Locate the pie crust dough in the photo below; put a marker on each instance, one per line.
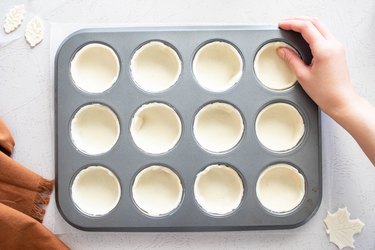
(95, 68)
(279, 126)
(272, 70)
(218, 127)
(217, 66)
(96, 191)
(218, 189)
(155, 67)
(157, 190)
(155, 128)
(280, 188)
(95, 129)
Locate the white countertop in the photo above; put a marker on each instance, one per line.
(26, 103)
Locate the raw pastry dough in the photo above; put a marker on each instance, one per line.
(218, 127)
(34, 31)
(14, 18)
(280, 188)
(155, 67)
(217, 66)
(279, 126)
(157, 190)
(155, 128)
(341, 228)
(96, 191)
(95, 129)
(95, 68)
(271, 70)
(218, 189)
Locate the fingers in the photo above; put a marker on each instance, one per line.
(307, 29)
(299, 68)
(315, 21)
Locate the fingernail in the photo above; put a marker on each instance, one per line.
(281, 52)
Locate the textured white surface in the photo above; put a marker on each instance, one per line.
(26, 105)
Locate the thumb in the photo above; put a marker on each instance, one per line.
(299, 68)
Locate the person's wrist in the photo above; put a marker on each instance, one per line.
(345, 107)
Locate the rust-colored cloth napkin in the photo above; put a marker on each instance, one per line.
(23, 196)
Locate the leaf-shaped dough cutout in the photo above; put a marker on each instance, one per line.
(34, 31)
(14, 18)
(341, 228)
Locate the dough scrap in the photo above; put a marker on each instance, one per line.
(34, 31)
(341, 228)
(14, 18)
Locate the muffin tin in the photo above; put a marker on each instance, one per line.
(183, 154)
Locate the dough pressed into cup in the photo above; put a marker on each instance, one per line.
(218, 189)
(95, 68)
(155, 128)
(218, 127)
(280, 188)
(155, 67)
(279, 127)
(157, 190)
(95, 191)
(217, 66)
(271, 69)
(95, 129)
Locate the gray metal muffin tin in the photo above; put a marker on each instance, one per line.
(187, 158)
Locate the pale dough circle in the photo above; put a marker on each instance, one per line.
(218, 189)
(280, 188)
(279, 127)
(95, 191)
(95, 68)
(155, 128)
(95, 129)
(217, 66)
(271, 69)
(218, 127)
(157, 190)
(155, 67)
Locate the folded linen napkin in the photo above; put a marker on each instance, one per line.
(23, 197)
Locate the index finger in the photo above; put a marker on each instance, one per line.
(308, 31)
(315, 21)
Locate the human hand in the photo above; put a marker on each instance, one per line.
(326, 80)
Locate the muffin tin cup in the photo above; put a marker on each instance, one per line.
(187, 158)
